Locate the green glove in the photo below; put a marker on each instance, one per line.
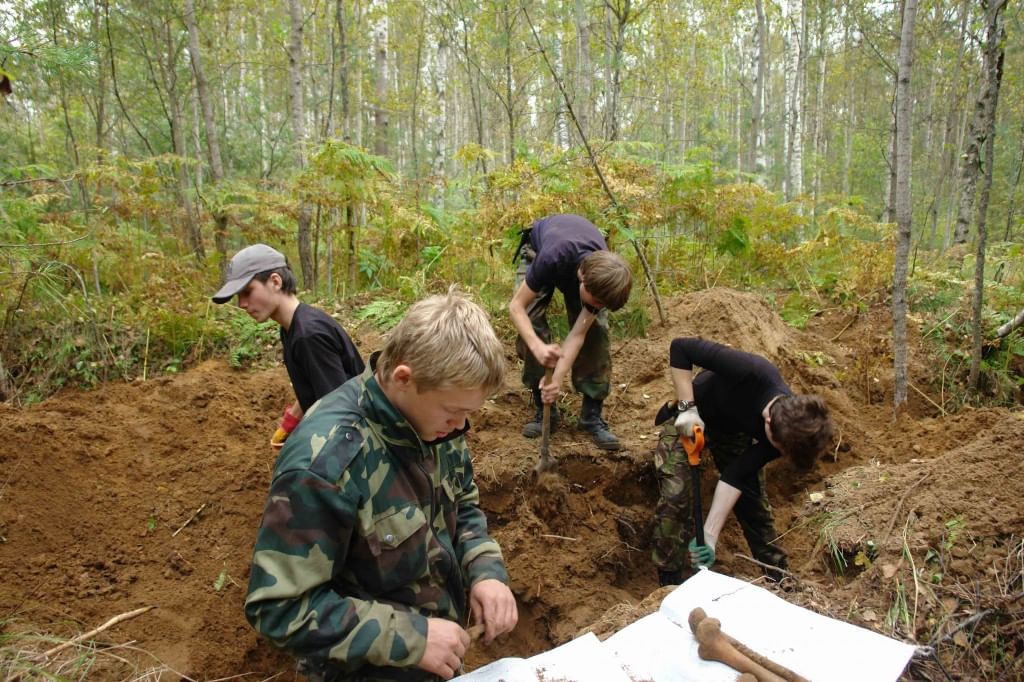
(701, 555)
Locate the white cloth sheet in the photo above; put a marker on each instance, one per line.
(661, 648)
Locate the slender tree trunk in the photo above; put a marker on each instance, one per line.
(343, 69)
(261, 96)
(296, 83)
(440, 121)
(849, 107)
(583, 65)
(1012, 207)
(948, 151)
(904, 105)
(794, 101)
(210, 127)
(994, 53)
(818, 127)
(561, 125)
(757, 108)
(101, 81)
(508, 20)
(381, 118)
(414, 122)
(164, 40)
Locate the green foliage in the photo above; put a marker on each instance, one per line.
(734, 240)
(248, 340)
(382, 313)
(630, 322)
(797, 309)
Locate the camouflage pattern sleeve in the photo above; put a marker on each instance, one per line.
(479, 555)
(300, 548)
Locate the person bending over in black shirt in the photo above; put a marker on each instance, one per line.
(749, 417)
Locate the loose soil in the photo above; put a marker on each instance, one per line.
(149, 494)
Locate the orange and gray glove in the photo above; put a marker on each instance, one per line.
(288, 423)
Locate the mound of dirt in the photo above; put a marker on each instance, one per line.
(149, 493)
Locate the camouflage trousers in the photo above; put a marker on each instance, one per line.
(592, 370)
(673, 517)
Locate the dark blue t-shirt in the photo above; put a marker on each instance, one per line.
(561, 242)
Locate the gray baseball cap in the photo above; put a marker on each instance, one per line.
(246, 264)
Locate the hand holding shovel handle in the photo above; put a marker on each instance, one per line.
(546, 461)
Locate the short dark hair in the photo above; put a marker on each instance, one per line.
(802, 426)
(287, 279)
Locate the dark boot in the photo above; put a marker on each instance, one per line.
(535, 426)
(591, 422)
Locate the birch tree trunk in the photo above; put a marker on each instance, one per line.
(850, 111)
(994, 53)
(261, 98)
(440, 120)
(757, 109)
(818, 126)
(381, 119)
(561, 125)
(904, 105)
(794, 100)
(297, 110)
(210, 127)
(584, 98)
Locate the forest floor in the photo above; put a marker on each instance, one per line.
(99, 492)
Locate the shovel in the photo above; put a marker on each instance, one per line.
(693, 447)
(546, 461)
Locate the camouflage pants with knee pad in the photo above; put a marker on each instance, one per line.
(673, 517)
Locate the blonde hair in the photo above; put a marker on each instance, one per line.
(607, 277)
(448, 342)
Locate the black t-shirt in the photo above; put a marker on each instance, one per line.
(561, 242)
(318, 353)
(731, 394)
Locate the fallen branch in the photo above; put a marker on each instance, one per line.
(768, 566)
(852, 320)
(92, 633)
(1005, 329)
(559, 537)
(189, 520)
(899, 504)
(922, 394)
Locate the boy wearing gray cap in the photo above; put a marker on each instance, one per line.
(318, 353)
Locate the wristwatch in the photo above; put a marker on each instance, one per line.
(684, 405)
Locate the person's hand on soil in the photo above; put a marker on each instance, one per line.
(701, 555)
(494, 607)
(687, 420)
(547, 354)
(446, 647)
(549, 389)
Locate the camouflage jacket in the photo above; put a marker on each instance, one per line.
(367, 532)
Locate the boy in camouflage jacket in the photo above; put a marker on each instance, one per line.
(372, 540)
